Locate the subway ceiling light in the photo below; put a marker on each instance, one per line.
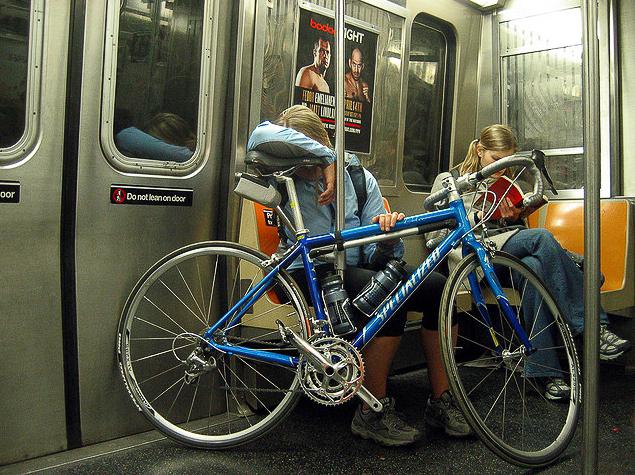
(487, 4)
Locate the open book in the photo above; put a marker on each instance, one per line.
(504, 186)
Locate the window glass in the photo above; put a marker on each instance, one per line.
(542, 89)
(424, 157)
(14, 54)
(279, 71)
(158, 78)
(544, 101)
(552, 30)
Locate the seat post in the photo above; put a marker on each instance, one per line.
(293, 204)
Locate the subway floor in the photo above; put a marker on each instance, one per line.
(317, 440)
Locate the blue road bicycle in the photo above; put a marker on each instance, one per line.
(216, 343)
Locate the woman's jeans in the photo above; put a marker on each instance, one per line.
(539, 250)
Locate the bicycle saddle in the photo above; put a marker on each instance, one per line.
(266, 163)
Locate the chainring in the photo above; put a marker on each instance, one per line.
(338, 388)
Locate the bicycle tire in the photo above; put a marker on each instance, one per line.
(238, 400)
(496, 415)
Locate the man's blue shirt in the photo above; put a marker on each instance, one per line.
(320, 219)
(134, 142)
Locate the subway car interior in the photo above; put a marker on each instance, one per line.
(126, 125)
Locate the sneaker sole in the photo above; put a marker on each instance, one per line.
(450, 432)
(381, 441)
(605, 357)
(556, 398)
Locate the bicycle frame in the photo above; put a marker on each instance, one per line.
(461, 234)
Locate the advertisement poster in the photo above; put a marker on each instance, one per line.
(315, 85)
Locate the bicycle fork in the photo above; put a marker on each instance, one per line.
(502, 300)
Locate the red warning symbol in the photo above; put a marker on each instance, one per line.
(119, 195)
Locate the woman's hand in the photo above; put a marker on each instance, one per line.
(509, 212)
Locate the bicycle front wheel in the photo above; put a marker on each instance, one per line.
(502, 393)
(202, 397)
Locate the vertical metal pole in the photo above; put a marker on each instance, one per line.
(340, 262)
(591, 233)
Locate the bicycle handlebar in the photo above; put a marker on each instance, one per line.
(470, 180)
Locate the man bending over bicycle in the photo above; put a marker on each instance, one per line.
(300, 128)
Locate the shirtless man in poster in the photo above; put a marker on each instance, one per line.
(312, 76)
(354, 86)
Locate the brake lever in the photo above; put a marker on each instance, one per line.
(538, 158)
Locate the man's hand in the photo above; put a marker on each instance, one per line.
(328, 195)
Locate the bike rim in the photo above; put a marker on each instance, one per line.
(501, 394)
(236, 399)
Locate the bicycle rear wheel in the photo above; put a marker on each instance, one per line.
(499, 392)
(199, 397)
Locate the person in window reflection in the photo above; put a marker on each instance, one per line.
(166, 137)
(537, 248)
(312, 75)
(301, 128)
(354, 86)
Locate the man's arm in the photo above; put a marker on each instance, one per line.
(304, 79)
(328, 195)
(287, 143)
(380, 253)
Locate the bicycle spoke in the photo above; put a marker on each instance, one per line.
(501, 407)
(181, 379)
(232, 393)
(485, 378)
(247, 387)
(189, 414)
(139, 319)
(179, 299)
(211, 292)
(257, 317)
(193, 392)
(502, 390)
(190, 291)
(160, 374)
(176, 397)
(154, 355)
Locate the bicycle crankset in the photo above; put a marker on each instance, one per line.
(332, 387)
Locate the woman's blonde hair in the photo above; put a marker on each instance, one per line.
(496, 137)
(305, 121)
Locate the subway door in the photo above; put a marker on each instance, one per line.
(150, 151)
(440, 102)
(33, 59)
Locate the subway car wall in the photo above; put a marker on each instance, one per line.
(122, 124)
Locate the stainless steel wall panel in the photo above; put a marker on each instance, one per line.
(626, 20)
(467, 25)
(116, 244)
(31, 375)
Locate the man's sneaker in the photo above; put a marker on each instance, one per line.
(385, 427)
(557, 389)
(443, 414)
(611, 345)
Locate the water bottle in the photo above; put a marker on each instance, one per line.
(380, 286)
(338, 306)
